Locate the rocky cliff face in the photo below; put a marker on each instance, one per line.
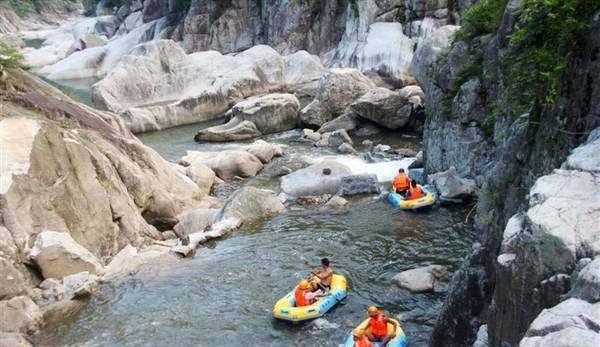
(79, 177)
(505, 155)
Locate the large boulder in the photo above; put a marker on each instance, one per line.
(422, 279)
(88, 177)
(338, 88)
(268, 114)
(99, 61)
(572, 323)
(347, 122)
(157, 85)
(234, 130)
(12, 283)
(587, 286)
(450, 185)
(263, 150)
(318, 179)
(250, 204)
(387, 108)
(586, 157)
(58, 255)
(359, 184)
(195, 220)
(227, 164)
(202, 175)
(20, 315)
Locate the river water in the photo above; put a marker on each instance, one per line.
(224, 295)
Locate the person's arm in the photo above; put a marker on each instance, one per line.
(394, 323)
(317, 274)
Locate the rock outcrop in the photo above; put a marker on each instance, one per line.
(506, 154)
(318, 179)
(571, 323)
(390, 109)
(81, 173)
(338, 88)
(58, 255)
(422, 279)
(179, 89)
(255, 116)
(451, 186)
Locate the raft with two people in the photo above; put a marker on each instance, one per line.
(408, 194)
(286, 309)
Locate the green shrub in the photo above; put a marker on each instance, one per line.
(10, 57)
(21, 7)
(542, 48)
(482, 18)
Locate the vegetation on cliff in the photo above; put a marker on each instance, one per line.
(10, 57)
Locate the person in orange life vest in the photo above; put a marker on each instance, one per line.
(360, 340)
(377, 330)
(323, 277)
(415, 191)
(303, 296)
(401, 182)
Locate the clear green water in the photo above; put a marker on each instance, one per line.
(79, 90)
(34, 43)
(224, 295)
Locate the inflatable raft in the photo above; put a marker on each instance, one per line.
(399, 339)
(398, 201)
(285, 308)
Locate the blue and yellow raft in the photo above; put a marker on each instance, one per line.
(285, 308)
(399, 202)
(399, 339)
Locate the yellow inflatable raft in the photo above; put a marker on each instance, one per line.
(286, 310)
(398, 201)
(399, 339)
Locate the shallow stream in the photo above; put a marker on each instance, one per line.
(224, 295)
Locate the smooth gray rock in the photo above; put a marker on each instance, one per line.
(421, 279)
(313, 181)
(417, 175)
(251, 204)
(572, 323)
(586, 157)
(359, 184)
(450, 185)
(195, 220)
(254, 117)
(227, 164)
(58, 255)
(338, 88)
(390, 109)
(346, 122)
(587, 286)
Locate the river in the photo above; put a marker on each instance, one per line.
(224, 295)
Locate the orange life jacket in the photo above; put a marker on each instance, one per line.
(362, 342)
(300, 298)
(401, 182)
(378, 325)
(415, 193)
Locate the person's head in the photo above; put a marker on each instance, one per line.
(304, 284)
(413, 183)
(400, 170)
(372, 311)
(358, 333)
(325, 262)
